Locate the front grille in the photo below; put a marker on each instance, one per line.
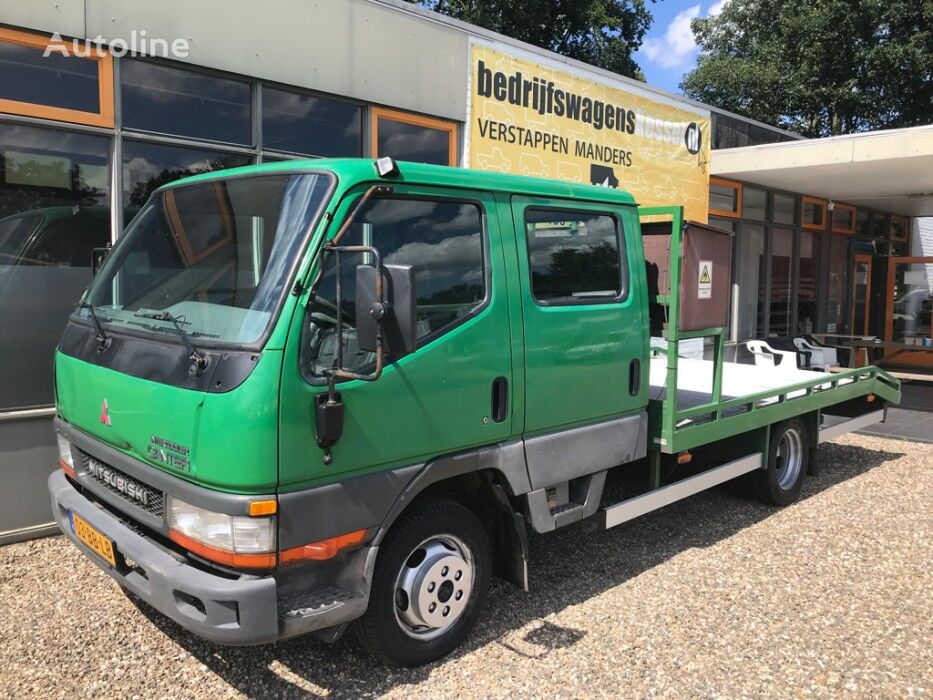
(155, 499)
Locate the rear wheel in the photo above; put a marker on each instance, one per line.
(430, 579)
(788, 457)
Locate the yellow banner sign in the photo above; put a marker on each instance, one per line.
(529, 118)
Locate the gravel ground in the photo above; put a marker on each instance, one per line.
(714, 596)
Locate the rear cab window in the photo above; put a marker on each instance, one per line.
(575, 257)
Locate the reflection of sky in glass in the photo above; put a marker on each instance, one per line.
(169, 100)
(412, 142)
(310, 125)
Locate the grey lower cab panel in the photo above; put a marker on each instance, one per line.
(653, 500)
(568, 454)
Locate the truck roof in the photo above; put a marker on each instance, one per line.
(353, 170)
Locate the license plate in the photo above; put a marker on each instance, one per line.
(93, 539)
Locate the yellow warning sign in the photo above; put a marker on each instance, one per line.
(705, 280)
(529, 115)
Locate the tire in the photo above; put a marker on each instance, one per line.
(416, 584)
(788, 458)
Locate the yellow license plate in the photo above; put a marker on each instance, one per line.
(93, 539)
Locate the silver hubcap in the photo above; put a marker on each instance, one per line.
(433, 588)
(789, 458)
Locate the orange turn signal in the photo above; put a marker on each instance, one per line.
(222, 556)
(684, 458)
(268, 507)
(322, 550)
(68, 470)
(870, 398)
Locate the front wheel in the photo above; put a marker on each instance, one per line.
(429, 583)
(788, 457)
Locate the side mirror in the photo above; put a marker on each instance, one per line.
(397, 316)
(98, 256)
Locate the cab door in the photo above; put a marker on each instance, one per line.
(440, 399)
(585, 332)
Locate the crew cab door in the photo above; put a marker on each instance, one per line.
(585, 333)
(440, 399)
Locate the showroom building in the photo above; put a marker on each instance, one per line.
(89, 128)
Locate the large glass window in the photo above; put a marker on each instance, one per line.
(749, 283)
(411, 137)
(784, 208)
(313, 126)
(148, 166)
(54, 210)
(574, 257)
(215, 255)
(837, 310)
(441, 239)
(808, 276)
(169, 100)
(67, 88)
(912, 306)
(754, 203)
(782, 257)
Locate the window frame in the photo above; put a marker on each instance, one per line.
(377, 113)
(104, 59)
(348, 204)
(847, 207)
(822, 203)
(737, 188)
(904, 220)
(625, 273)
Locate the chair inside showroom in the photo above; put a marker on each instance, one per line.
(772, 358)
(821, 356)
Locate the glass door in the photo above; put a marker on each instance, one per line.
(861, 293)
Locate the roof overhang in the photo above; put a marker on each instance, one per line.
(887, 170)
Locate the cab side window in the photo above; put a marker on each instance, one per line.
(442, 239)
(575, 257)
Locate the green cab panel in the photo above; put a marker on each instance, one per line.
(230, 437)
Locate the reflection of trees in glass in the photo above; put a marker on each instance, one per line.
(31, 184)
(457, 294)
(144, 188)
(594, 268)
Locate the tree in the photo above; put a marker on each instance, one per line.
(604, 33)
(819, 67)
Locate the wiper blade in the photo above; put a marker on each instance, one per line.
(198, 360)
(103, 340)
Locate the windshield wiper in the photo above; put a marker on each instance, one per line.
(198, 360)
(103, 340)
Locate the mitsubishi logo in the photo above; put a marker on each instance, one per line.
(104, 415)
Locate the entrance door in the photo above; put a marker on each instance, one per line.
(861, 293)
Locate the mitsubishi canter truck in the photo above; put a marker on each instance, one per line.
(307, 396)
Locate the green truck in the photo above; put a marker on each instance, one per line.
(309, 395)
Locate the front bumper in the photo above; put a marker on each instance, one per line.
(227, 610)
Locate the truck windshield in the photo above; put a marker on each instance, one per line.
(217, 256)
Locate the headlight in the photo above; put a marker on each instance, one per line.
(238, 540)
(64, 453)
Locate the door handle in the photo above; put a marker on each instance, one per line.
(500, 399)
(634, 377)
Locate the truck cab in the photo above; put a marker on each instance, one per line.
(301, 395)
